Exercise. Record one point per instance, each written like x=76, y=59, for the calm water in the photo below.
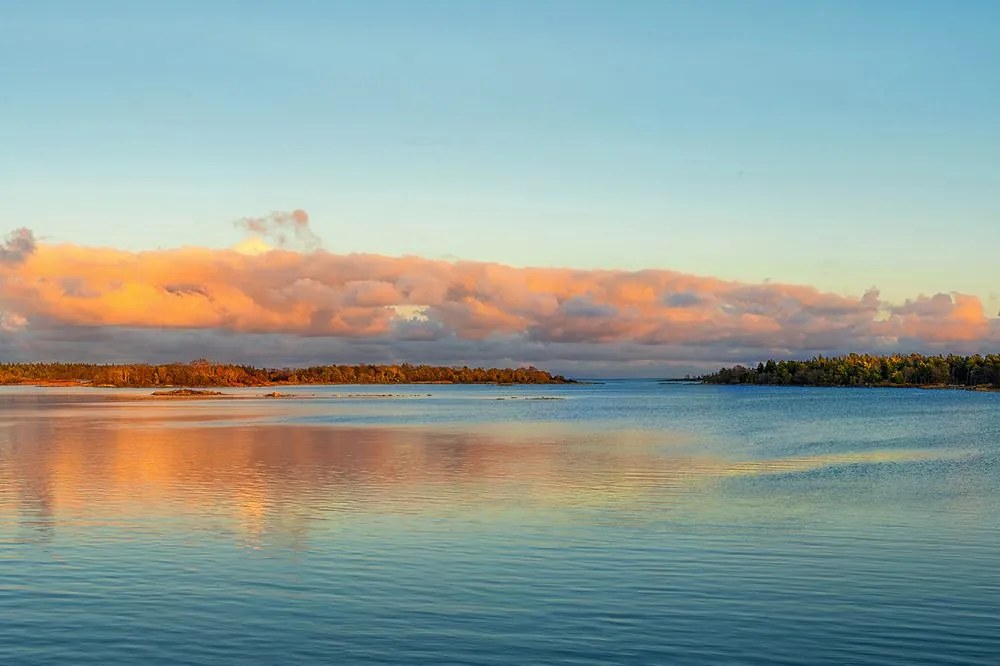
x=628, y=522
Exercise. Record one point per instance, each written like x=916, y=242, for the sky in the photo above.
x=848, y=150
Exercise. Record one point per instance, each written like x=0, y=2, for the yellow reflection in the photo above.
x=809, y=463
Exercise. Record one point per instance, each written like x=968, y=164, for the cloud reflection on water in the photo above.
x=274, y=484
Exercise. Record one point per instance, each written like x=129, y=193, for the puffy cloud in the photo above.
x=18, y=246
x=942, y=318
x=286, y=306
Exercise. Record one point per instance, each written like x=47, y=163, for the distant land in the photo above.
x=913, y=370
x=207, y=373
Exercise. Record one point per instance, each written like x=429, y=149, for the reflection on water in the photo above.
x=280, y=481
x=625, y=523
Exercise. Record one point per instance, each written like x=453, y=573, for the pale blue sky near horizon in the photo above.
x=837, y=144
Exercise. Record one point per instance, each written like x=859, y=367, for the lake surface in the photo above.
x=627, y=522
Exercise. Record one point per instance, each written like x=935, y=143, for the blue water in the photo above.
x=626, y=522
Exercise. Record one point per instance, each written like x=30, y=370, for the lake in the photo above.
x=625, y=522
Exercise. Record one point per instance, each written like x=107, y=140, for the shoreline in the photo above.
x=67, y=383
x=187, y=393
x=925, y=387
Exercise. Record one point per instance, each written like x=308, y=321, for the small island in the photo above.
x=186, y=393
x=204, y=373
x=976, y=372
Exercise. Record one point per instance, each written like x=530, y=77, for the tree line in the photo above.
x=868, y=370
x=206, y=373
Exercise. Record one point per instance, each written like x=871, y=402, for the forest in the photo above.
x=206, y=373
x=869, y=370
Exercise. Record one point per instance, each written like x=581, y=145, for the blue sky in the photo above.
x=836, y=144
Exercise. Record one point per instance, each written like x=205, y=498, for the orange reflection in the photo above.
x=258, y=481
x=261, y=483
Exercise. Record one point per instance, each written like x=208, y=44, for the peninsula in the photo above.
x=912, y=370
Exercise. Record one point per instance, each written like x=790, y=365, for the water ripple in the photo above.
x=627, y=523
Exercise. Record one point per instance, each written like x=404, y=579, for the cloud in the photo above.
x=283, y=229
x=18, y=246
x=944, y=318
x=11, y=322
x=288, y=306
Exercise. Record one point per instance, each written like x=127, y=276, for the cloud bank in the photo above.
x=276, y=305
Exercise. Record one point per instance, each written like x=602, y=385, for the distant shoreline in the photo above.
x=199, y=393
x=978, y=372
x=167, y=387
x=206, y=374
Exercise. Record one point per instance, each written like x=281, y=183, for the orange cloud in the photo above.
x=373, y=297
x=941, y=318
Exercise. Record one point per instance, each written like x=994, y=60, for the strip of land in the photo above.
x=203, y=373
x=207, y=394
x=977, y=372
